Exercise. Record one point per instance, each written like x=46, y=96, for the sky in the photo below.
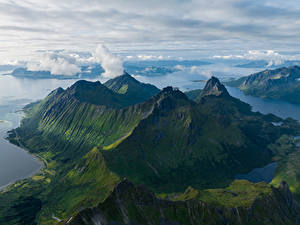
x=176, y=28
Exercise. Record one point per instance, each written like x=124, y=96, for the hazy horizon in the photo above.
x=172, y=29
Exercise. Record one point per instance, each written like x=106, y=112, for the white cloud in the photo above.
x=179, y=67
x=16, y=63
x=31, y=25
x=272, y=57
x=56, y=63
x=144, y=57
x=112, y=64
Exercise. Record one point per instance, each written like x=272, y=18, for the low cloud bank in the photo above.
x=272, y=57
x=56, y=63
x=69, y=63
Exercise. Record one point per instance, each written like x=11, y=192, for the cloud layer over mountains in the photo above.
x=272, y=57
x=30, y=25
x=69, y=63
x=56, y=63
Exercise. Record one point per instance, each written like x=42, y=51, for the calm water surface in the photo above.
x=15, y=163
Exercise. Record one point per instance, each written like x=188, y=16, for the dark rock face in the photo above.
x=129, y=204
x=214, y=87
x=288, y=196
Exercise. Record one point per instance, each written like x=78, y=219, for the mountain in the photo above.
x=85, y=115
x=91, y=71
x=268, y=64
x=214, y=87
x=183, y=143
x=159, y=67
x=193, y=94
x=91, y=138
x=129, y=204
x=127, y=85
x=254, y=64
x=280, y=84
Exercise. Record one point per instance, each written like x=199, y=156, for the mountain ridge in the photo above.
x=129, y=204
x=279, y=84
x=167, y=143
x=132, y=88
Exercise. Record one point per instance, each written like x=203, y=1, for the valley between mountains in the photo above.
x=125, y=152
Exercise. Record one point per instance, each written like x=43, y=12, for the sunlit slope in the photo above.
x=183, y=143
x=74, y=120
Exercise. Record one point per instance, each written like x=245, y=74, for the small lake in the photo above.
x=265, y=174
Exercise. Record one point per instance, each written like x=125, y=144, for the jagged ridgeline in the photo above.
x=133, y=89
x=129, y=204
x=94, y=135
x=203, y=144
x=71, y=122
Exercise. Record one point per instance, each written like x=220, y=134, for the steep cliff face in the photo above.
x=129, y=204
x=214, y=87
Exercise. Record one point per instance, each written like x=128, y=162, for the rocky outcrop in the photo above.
x=132, y=205
x=214, y=87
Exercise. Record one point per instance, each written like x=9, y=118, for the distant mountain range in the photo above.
x=142, y=68
x=266, y=64
x=124, y=152
x=280, y=84
x=91, y=71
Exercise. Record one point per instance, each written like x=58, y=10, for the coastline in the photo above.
x=43, y=162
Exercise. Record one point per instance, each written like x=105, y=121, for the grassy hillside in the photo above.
x=167, y=143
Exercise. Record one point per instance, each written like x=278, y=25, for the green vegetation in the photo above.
x=182, y=143
x=136, y=205
x=193, y=95
x=91, y=138
x=279, y=84
x=133, y=89
x=240, y=193
x=288, y=169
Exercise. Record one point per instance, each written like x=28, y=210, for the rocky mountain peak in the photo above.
x=214, y=87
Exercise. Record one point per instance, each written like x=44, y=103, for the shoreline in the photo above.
x=43, y=162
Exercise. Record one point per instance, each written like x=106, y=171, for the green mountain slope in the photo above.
x=205, y=144
x=132, y=88
x=129, y=204
x=71, y=122
x=279, y=84
x=62, y=129
x=193, y=94
x=91, y=139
